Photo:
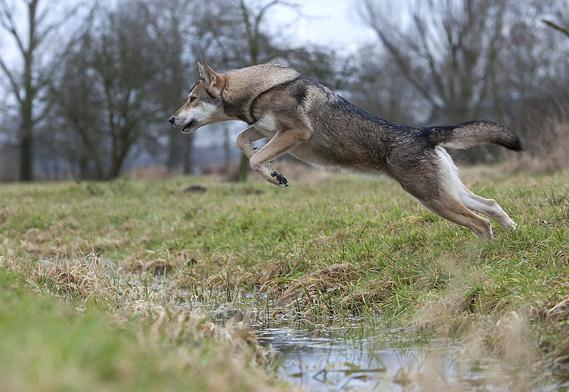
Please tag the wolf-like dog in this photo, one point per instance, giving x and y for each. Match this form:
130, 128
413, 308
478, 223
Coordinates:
301, 117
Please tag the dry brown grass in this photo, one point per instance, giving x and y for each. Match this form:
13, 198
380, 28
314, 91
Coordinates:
154, 303
180, 325
556, 316
369, 297
456, 312
308, 287
544, 128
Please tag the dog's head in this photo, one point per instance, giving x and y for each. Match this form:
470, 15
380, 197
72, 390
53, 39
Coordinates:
204, 104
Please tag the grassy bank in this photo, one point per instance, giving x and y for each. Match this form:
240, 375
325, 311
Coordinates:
327, 250
50, 345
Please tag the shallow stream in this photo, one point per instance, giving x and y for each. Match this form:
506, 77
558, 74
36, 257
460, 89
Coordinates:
384, 362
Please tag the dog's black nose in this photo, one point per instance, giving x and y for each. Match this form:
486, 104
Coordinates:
172, 120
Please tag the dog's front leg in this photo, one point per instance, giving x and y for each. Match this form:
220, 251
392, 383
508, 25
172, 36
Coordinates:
280, 144
245, 143
246, 138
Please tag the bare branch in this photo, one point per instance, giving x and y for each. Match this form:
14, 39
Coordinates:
428, 55
44, 32
44, 112
261, 14
12, 80
7, 23
557, 27
400, 59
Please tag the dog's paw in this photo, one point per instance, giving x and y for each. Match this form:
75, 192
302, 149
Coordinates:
282, 181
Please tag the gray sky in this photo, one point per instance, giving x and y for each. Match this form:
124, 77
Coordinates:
332, 23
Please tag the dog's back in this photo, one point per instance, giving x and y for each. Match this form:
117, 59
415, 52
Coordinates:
344, 135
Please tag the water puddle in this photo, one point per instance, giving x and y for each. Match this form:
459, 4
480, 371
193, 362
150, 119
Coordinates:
335, 363
358, 358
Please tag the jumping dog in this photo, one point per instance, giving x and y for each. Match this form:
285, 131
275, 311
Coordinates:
301, 117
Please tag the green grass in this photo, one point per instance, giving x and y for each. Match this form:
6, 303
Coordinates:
369, 224
343, 246
46, 344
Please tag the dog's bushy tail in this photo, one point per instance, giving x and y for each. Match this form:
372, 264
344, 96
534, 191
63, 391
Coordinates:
474, 133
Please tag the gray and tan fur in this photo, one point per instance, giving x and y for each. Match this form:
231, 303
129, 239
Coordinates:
303, 118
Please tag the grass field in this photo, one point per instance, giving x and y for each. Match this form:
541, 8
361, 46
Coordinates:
109, 274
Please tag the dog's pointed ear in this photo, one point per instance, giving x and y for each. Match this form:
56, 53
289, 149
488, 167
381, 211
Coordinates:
201, 70
214, 81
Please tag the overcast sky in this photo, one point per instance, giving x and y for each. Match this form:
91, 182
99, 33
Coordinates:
334, 23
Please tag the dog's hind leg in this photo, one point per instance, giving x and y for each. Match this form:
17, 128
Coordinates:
474, 202
444, 201
451, 208
437, 186
488, 207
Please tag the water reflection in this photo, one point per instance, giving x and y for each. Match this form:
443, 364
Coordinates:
336, 363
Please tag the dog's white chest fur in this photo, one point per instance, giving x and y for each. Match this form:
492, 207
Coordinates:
267, 124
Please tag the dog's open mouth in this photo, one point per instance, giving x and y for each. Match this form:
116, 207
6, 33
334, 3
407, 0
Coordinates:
189, 127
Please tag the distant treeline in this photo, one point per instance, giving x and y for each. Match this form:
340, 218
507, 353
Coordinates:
93, 83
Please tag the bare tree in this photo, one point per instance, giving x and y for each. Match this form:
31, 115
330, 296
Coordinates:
106, 91
377, 85
169, 26
29, 79
447, 51
79, 107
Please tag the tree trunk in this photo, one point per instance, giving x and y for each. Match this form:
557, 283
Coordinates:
115, 170
26, 129
119, 153
188, 155
227, 149
243, 169
26, 135
176, 152
26, 155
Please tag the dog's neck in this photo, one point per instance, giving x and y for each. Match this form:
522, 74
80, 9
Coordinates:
245, 84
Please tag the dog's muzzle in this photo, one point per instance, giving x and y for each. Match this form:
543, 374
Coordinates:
189, 127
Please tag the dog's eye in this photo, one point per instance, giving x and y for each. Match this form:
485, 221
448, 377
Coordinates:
192, 99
